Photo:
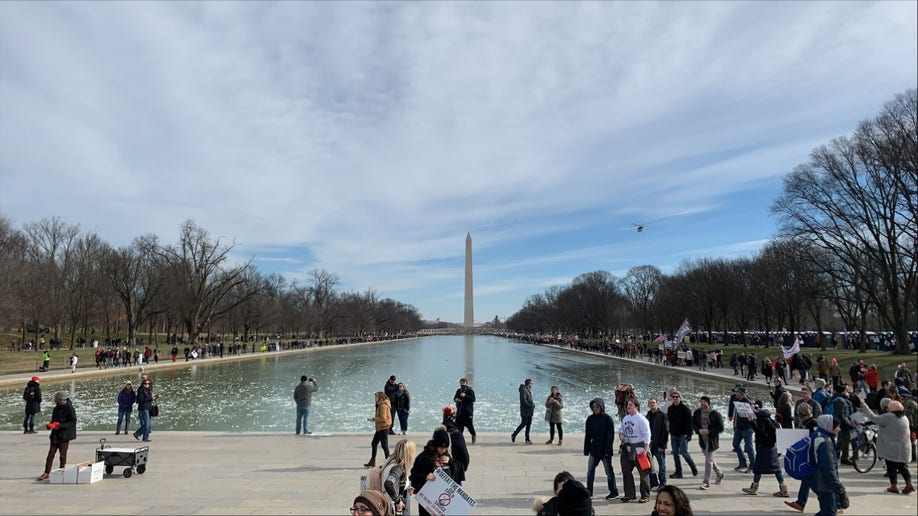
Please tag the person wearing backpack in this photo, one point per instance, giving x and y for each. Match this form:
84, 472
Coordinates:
766, 451
808, 422
825, 482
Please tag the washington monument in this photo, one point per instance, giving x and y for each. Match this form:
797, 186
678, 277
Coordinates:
469, 309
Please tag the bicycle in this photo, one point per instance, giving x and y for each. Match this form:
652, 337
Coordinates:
864, 443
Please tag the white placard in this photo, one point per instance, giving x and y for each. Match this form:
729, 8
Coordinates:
444, 497
742, 409
788, 436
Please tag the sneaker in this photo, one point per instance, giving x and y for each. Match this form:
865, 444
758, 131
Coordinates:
676, 475
612, 496
694, 471
528, 441
512, 438
705, 486
307, 433
740, 468
748, 470
136, 437
644, 500
720, 477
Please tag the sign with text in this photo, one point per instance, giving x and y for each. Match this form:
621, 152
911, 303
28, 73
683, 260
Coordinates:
444, 497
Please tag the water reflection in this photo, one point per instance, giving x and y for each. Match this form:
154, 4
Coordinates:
257, 395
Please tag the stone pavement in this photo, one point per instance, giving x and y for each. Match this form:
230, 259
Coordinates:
260, 473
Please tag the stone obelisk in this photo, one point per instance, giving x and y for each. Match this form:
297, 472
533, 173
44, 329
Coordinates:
469, 309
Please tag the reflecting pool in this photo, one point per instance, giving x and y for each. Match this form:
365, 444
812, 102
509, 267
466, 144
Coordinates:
256, 395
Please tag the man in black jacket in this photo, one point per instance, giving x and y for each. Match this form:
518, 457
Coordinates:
659, 435
597, 444
680, 431
527, 408
63, 430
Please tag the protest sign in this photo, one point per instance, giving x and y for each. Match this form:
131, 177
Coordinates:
444, 497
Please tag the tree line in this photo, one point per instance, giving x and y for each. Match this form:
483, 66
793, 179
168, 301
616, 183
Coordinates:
846, 250
56, 279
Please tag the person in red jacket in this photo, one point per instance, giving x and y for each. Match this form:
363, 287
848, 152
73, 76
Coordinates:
63, 430
872, 377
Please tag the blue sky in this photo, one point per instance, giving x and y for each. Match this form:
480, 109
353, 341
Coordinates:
367, 139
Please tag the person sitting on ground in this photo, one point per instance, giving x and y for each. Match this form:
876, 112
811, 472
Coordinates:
672, 501
571, 498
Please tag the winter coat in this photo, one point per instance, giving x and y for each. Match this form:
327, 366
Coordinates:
423, 466
527, 407
395, 483
403, 401
465, 406
302, 394
659, 430
680, 419
65, 415
893, 436
711, 442
457, 450
783, 415
826, 476
766, 453
383, 416
32, 396
144, 398
553, 409
599, 433
126, 399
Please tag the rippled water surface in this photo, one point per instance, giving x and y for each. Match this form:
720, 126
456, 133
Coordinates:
257, 395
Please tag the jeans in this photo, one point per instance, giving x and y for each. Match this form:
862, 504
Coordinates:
29, 422
124, 414
525, 423
403, 419
144, 417
828, 504
679, 444
745, 436
803, 494
660, 455
778, 475
302, 419
610, 473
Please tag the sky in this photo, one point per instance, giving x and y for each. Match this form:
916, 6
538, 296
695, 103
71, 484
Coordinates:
367, 139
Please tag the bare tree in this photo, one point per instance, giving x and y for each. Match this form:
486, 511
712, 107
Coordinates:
855, 198
642, 286
136, 277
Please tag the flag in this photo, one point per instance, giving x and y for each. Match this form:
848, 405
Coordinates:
661, 338
684, 330
793, 349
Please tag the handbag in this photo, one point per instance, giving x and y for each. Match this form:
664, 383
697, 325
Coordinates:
548, 414
154, 410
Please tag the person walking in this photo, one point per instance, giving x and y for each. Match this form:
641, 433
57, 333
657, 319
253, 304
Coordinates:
402, 407
599, 434
465, 408
145, 398
74, 358
825, 482
842, 409
458, 449
395, 475
709, 424
126, 399
808, 422
766, 456
45, 360
32, 397
680, 431
63, 430
434, 455
390, 388
302, 395
553, 407
383, 421
527, 409
659, 436
893, 443
634, 434
742, 429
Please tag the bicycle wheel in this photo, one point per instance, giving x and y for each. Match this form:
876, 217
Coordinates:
865, 457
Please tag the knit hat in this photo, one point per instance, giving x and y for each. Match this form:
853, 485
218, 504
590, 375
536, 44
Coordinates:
36, 379
895, 406
449, 411
128, 383
60, 395
804, 410
441, 438
376, 501
827, 422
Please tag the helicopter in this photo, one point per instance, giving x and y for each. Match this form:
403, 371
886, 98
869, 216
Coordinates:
638, 227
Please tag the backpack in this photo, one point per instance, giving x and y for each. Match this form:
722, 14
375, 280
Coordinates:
374, 479
800, 458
